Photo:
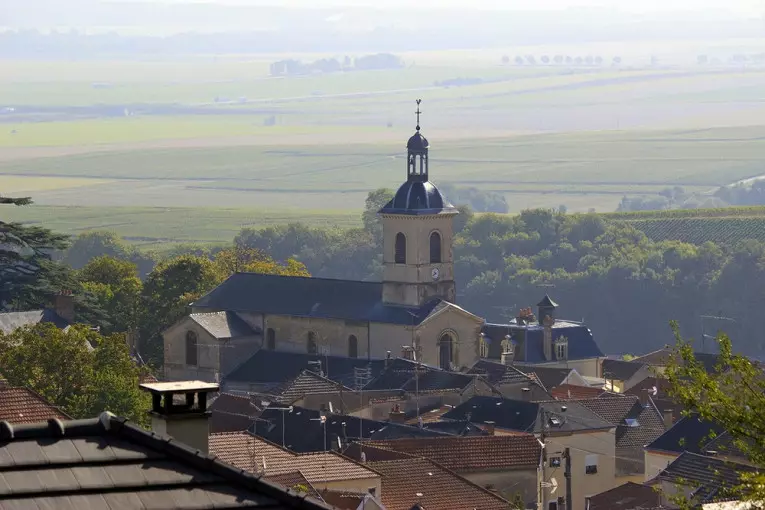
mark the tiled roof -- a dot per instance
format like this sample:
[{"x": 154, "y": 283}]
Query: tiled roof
[
  {"x": 688, "y": 434},
  {"x": 650, "y": 427},
  {"x": 619, "y": 369},
  {"x": 307, "y": 383},
  {"x": 498, "y": 373},
  {"x": 343, "y": 500},
  {"x": 629, "y": 496},
  {"x": 231, "y": 413},
  {"x": 573, "y": 392},
  {"x": 549, "y": 377},
  {"x": 248, "y": 452},
  {"x": 223, "y": 325},
  {"x": 309, "y": 297},
  {"x": 22, "y": 405},
  {"x": 401, "y": 375},
  {"x": 463, "y": 454},
  {"x": 407, "y": 482},
  {"x": 613, "y": 408},
  {"x": 525, "y": 416},
  {"x": 291, "y": 480},
  {"x": 724, "y": 445},
  {"x": 711, "y": 478},
  {"x": 107, "y": 462},
  {"x": 13, "y": 320},
  {"x": 660, "y": 358},
  {"x": 276, "y": 367}
]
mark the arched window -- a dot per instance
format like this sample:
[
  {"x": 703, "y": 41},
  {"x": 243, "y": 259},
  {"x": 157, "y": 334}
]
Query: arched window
[
  {"x": 270, "y": 339},
  {"x": 191, "y": 348},
  {"x": 400, "y": 257},
  {"x": 435, "y": 247},
  {"x": 353, "y": 347},
  {"x": 312, "y": 347},
  {"x": 445, "y": 351}
]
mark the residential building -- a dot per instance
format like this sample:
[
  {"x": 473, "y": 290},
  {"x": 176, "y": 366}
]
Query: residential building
[
  {"x": 622, "y": 375},
  {"x": 414, "y": 305},
  {"x": 659, "y": 359},
  {"x": 628, "y": 496},
  {"x": 22, "y": 405},
  {"x": 107, "y": 462},
  {"x": 323, "y": 470},
  {"x": 510, "y": 381},
  {"x": 507, "y": 465},
  {"x": 61, "y": 315},
  {"x": 589, "y": 439}
]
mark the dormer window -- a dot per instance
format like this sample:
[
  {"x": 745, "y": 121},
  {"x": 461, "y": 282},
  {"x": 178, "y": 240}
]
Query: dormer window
[{"x": 561, "y": 348}]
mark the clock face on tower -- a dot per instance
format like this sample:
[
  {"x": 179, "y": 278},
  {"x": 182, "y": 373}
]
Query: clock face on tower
[{"x": 435, "y": 273}]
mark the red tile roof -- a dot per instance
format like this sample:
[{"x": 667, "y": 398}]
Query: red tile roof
[
  {"x": 572, "y": 392},
  {"x": 474, "y": 453},
  {"x": 407, "y": 482},
  {"x": 22, "y": 405}
]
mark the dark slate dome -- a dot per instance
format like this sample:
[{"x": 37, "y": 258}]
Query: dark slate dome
[
  {"x": 417, "y": 143},
  {"x": 418, "y": 197}
]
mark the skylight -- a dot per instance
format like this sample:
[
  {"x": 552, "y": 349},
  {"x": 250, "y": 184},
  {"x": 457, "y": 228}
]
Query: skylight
[{"x": 631, "y": 422}]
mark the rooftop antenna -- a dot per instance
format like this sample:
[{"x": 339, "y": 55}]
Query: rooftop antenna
[{"x": 418, "y": 112}]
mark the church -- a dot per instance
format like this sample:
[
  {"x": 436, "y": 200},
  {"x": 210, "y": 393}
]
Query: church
[{"x": 412, "y": 312}]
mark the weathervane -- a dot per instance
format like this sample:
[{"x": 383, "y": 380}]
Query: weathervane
[{"x": 418, "y": 112}]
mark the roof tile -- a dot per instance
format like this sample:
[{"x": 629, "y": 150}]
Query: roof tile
[{"x": 22, "y": 405}]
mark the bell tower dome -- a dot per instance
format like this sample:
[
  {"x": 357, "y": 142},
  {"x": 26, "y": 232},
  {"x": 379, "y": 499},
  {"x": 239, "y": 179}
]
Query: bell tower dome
[{"x": 417, "y": 234}]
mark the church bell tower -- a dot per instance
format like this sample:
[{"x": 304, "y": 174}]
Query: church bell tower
[{"x": 418, "y": 234}]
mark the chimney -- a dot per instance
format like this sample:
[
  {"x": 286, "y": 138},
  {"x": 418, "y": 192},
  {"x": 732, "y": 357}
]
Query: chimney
[
  {"x": 179, "y": 410},
  {"x": 546, "y": 308},
  {"x": 489, "y": 427},
  {"x": 397, "y": 415},
  {"x": 547, "y": 339},
  {"x": 669, "y": 417},
  {"x": 387, "y": 359},
  {"x": 407, "y": 352},
  {"x": 63, "y": 305},
  {"x": 526, "y": 394},
  {"x": 643, "y": 396}
]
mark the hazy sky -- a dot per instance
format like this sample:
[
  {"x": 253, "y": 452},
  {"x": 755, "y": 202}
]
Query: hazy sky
[{"x": 748, "y": 7}]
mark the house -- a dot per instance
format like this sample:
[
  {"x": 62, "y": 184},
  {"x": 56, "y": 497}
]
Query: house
[
  {"x": 562, "y": 426},
  {"x": 701, "y": 479},
  {"x": 628, "y": 496},
  {"x": 622, "y": 375},
  {"x": 507, "y": 465},
  {"x": 22, "y": 405},
  {"x": 657, "y": 389},
  {"x": 544, "y": 340},
  {"x": 411, "y": 482},
  {"x": 691, "y": 434},
  {"x": 511, "y": 381},
  {"x": 323, "y": 470},
  {"x": 61, "y": 315},
  {"x": 636, "y": 426},
  {"x": 107, "y": 462},
  {"x": 414, "y": 305}
]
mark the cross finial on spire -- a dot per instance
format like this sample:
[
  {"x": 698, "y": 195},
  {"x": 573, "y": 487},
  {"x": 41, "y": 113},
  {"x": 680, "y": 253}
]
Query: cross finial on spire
[{"x": 418, "y": 112}]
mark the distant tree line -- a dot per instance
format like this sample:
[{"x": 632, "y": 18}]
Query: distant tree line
[
  {"x": 558, "y": 60},
  {"x": 291, "y": 67},
  {"x": 740, "y": 194}
]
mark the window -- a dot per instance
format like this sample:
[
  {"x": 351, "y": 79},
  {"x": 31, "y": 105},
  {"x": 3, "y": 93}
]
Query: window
[
  {"x": 353, "y": 347},
  {"x": 312, "y": 347},
  {"x": 445, "y": 351},
  {"x": 631, "y": 422},
  {"x": 270, "y": 339},
  {"x": 591, "y": 464},
  {"x": 400, "y": 256},
  {"x": 191, "y": 348},
  {"x": 561, "y": 350},
  {"x": 435, "y": 247}
]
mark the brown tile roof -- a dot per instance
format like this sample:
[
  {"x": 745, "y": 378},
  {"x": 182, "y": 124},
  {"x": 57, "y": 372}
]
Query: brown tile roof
[
  {"x": 626, "y": 497},
  {"x": 573, "y": 392},
  {"x": 22, "y": 405},
  {"x": 477, "y": 453},
  {"x": 407, "y": 482},
  {"x": 613, "y": 408},
  {"x": 248, "y": 452}
]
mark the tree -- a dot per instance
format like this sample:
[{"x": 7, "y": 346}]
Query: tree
[
  {"x": 111, "y": 287},
  {"x": 78, "y": 370},
  {"x": 375, "y": 201},
  {"x": 243, "y": 259},
  {"x": 505, "y": 59},
  {"x": 732, "y": 396},
  {"x": 545, "y": 59},
  {"x": 28, "y": 276}
]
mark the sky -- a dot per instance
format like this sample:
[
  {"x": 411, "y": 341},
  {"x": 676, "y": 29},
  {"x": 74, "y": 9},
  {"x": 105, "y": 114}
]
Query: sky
[{"x": 745, "y": 7}]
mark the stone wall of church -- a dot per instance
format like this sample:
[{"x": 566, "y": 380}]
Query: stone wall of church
[
  {"x": 463, "y": 329},
  {"x": 332, "y": 334}
]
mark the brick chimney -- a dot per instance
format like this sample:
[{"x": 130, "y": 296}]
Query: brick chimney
[
  {"x": 397, "y": 415},
  {"x": 63, "y": 305},
  {"x": 179, "y": 410}
]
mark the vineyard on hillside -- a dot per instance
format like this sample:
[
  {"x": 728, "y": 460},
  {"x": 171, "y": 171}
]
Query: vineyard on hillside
[{"x": 723, "y": 226}]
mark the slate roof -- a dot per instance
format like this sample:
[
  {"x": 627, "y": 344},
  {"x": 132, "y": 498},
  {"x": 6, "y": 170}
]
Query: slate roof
[
  {"x": 418, "y": 197},
  {"x": 14, "y": 320},
  {"x": 629, "y": 496},
  {"x": 711, "y": 478},
  {"x": 463, "y": 454},
  {"x": 247, "y": 452},
  {"x": 223, "y": 325},
  {"x": 400, "y": 375},
  {"x": 526, "y": 416},
  {"x": 230, "y": 413},
  {"x": 498, "y": 373},
  {"x": 309, "y": 297},
  {"x": 22, "y": 405},
  {"x": 573, "y": 392},
  {"x": 616, "y": 409},
  {"x": 406, "y": 482},
  {"x": 107, "y": 462},
  {"x": 660, "y": 358},
  {"x": 688, "y": 434},
  {"x": 619, "y": 369},
  {"x": 549, "y": 377},
  {"x": 275, "y": 367},
  {"x": 303, "y": 433},
  {"x": 529, "y": 340}
]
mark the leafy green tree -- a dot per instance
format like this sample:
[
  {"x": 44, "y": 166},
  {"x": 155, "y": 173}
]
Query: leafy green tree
[
  {"x": 90, "y": 245},
  {"x": 111, "y": 287},
  {"x": 78, "y": 370},
  {"x": 732, "y": 396},
  {"x": 375, "y": 201}
]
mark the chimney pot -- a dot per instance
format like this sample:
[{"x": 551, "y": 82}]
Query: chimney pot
[
  {"x": 489, "y": 427},
  {"x": 526, "y": 394},
  {"x": 397, "y": 415}
]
